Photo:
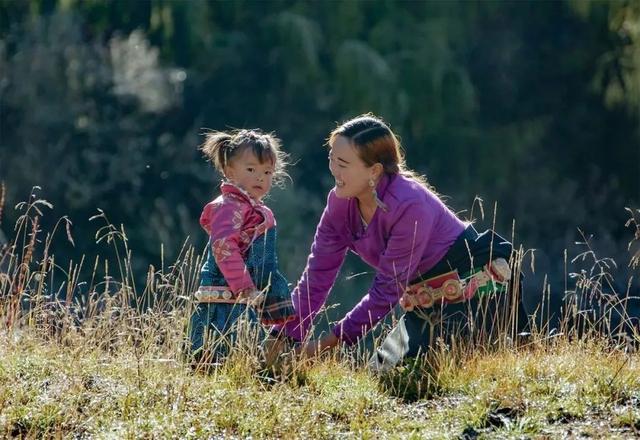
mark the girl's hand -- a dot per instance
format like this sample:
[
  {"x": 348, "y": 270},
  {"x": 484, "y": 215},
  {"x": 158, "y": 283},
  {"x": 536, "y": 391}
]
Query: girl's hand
[{"x": 317, "y": 346}]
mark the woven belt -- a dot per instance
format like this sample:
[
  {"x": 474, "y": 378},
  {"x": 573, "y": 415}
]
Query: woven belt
[
  {"x": 449, "y": 288},
  {"x": 222, "y": 294}
]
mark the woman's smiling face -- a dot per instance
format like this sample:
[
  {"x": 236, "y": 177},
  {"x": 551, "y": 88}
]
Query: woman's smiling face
[{"x": 351, "y": 173}]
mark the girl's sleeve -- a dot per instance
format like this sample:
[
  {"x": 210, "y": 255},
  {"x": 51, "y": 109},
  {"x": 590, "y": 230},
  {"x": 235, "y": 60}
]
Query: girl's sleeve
[
  {"x": 327, "y": 255},
  {"x": 224, "y": 224},
  {"x": 408, "y": 239}
]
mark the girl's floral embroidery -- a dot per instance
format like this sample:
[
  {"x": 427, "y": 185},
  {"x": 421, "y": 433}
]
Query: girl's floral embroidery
[
  {"x": 236, "y": 221},
  {"x": 245, "y": 237},
  {"x": 221, "y": 249}
]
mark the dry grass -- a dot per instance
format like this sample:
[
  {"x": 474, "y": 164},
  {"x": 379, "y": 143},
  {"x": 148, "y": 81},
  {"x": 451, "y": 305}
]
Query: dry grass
[{"x": 108, "y": 364}]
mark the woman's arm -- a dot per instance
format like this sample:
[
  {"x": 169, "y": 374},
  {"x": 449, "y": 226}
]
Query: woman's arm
[
  {"x": 408, "y": 239},
  {"x": 327, "y": 255},
  {"x": 317, "y": 346}
]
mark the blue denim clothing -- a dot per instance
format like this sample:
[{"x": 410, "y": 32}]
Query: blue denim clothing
[
  {"x": 262, "y": 265},
  {"x": 215, "y": 327},
  {"x": 219, "y": 319}
]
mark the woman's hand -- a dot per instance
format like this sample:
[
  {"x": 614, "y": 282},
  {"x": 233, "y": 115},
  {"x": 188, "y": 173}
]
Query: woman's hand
[
  {"x": 317, "y": 346},
  {"x": 273, "y": 348}
]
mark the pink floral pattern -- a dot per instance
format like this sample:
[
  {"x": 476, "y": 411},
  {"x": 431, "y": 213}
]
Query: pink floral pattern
[
  {"x": 233, "y": 220},
  {"x": 246, "y": 238},
  {"x": 221, "y": 249},
  {"x": 237, "y": 220}
]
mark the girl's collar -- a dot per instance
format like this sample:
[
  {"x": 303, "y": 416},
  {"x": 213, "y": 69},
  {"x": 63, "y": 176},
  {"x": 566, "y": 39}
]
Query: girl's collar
[{"x": 226, "y": 187}]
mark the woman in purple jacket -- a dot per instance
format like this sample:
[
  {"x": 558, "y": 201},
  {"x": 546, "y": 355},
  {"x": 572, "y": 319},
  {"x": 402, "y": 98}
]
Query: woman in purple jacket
[{"x": 440, "y": 270}]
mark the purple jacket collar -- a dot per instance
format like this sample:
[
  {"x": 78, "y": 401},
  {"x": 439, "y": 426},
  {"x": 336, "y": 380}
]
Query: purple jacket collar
[{"x": 355, "y": 226}]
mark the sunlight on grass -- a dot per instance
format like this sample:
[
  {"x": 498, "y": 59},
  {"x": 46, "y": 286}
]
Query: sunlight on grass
[{"x": 110, "y": 364}]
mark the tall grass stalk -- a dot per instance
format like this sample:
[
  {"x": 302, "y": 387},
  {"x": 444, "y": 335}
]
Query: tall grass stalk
[{"x": 105, "y": 357}]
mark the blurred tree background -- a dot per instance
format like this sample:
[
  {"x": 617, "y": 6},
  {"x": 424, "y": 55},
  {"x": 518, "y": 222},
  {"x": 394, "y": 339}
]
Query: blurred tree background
[{"x": 533, "y": 106}]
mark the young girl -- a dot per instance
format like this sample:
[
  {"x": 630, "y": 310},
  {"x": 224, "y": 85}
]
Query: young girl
[{"x": 239, "y": 280}]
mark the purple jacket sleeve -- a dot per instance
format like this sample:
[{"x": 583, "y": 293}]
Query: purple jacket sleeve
[
  {"x": 327, "y": 255},
  {"x": 408, "y": 239}
]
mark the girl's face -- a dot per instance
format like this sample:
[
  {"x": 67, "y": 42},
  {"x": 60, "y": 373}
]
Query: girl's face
[
  {"x": 351, "y": 173},
  {"x": 246, "y": 171}
]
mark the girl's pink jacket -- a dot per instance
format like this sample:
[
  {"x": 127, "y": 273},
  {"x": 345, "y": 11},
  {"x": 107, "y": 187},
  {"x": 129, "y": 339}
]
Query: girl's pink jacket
[{"x": 233, "y": 220}]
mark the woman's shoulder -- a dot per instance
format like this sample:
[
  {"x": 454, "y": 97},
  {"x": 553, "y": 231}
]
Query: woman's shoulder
[
  {"x": 408, "y": 200},
  {"x": 402, "y": 191}
]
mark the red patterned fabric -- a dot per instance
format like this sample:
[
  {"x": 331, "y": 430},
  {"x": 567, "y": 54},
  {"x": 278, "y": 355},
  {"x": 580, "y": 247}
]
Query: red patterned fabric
[{"x": 233, "y": 220}]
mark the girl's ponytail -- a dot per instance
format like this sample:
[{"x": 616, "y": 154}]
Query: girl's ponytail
[{"x": 217, "y": 148}]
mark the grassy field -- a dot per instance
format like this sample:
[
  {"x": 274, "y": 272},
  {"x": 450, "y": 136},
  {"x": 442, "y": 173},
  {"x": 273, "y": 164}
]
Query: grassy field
[
  {"x": 108, "y": 364},
  {"x": 76, "y": 387}
]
